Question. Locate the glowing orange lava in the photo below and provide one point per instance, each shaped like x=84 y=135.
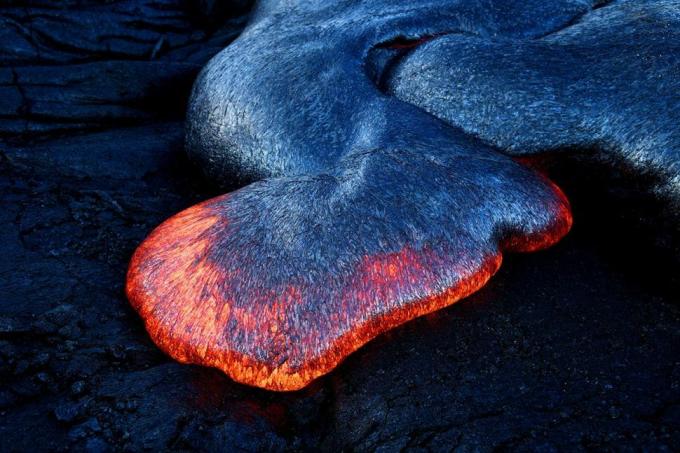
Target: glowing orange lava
x=197 y=309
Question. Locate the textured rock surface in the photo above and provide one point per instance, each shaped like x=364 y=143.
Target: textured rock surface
x=574 y=347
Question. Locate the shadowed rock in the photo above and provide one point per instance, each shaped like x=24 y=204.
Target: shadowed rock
x=69 y=66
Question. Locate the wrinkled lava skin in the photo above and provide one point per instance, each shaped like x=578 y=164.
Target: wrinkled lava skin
x=608 y=85
x=364 y=211
x=278 y=282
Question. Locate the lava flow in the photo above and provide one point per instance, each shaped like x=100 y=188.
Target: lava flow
x=206 y=303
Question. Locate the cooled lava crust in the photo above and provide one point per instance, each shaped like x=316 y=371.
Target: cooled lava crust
x=276 y=283
x=375 y=138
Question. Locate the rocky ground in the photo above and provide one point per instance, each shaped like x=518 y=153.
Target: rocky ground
x=574 y=347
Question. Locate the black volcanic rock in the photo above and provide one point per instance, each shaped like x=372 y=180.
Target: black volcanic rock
x=84 y=65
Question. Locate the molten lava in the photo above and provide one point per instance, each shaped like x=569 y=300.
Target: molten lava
x=204 y=304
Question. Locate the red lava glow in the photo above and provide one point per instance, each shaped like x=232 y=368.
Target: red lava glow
x=544 y=239
x=186 y=301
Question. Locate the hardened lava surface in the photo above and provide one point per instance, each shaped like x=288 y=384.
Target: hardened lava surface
x=278 y=282
x=607 y=85
x=271 y=286
x=274 y=284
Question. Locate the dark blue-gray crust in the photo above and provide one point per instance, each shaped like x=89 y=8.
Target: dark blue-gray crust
x=367 y=210
x=608 y=85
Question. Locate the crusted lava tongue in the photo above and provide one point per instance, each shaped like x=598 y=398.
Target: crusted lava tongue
x=379 y=212
x=278 y=282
